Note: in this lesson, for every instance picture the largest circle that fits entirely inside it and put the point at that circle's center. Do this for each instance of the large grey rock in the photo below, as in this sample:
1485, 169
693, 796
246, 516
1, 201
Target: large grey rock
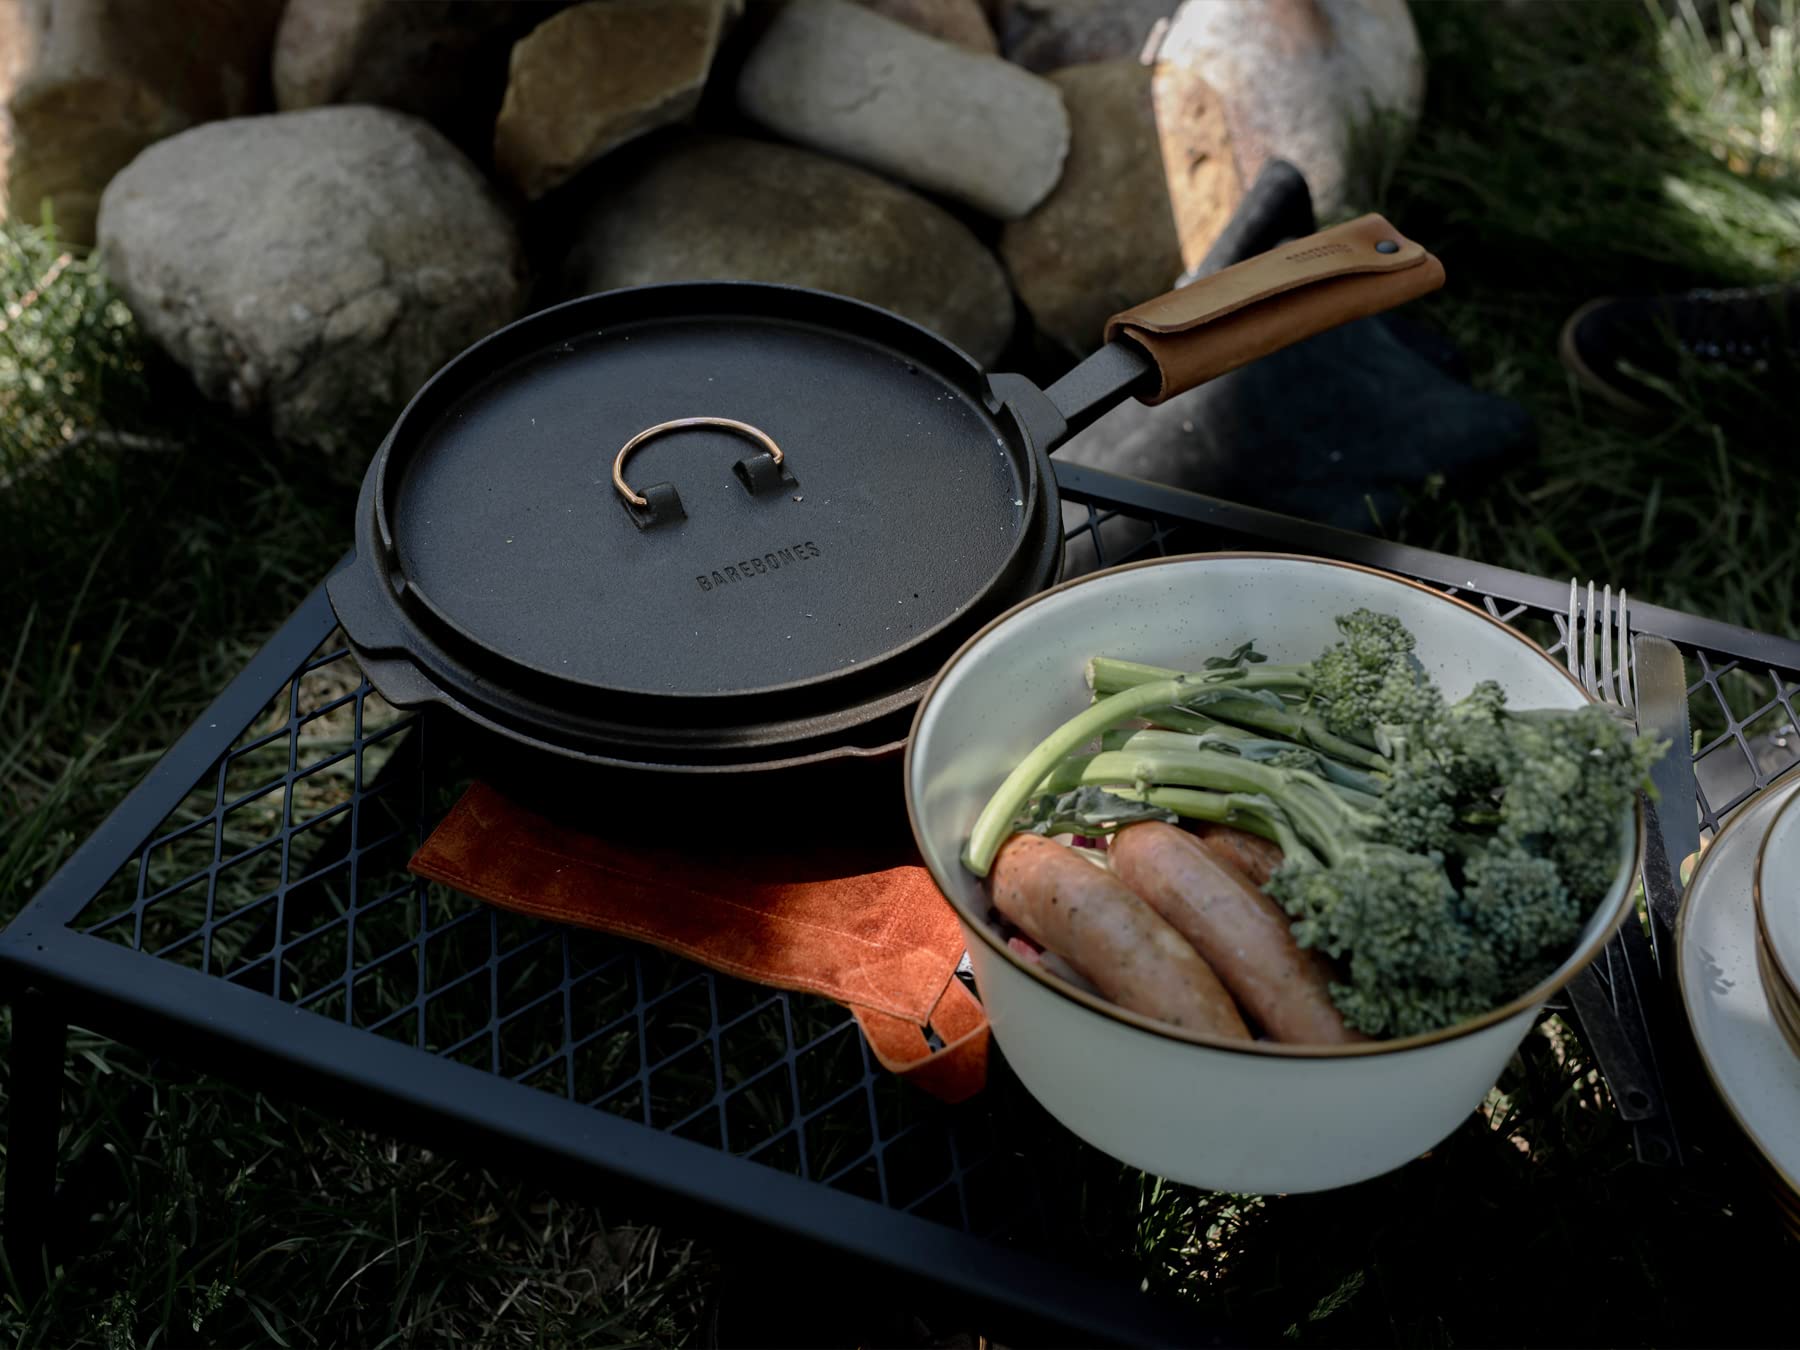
443, 60
721, 208
316, 267
1105, 238
105, 78
596, 76
1046, 35
958, 21
1299, 79
840, 78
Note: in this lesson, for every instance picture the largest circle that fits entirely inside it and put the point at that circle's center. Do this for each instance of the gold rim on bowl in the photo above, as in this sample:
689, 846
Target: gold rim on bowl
1536, 995
1787, 782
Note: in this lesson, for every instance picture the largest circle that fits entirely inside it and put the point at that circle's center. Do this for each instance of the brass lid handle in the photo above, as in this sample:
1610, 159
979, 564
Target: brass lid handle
743, 429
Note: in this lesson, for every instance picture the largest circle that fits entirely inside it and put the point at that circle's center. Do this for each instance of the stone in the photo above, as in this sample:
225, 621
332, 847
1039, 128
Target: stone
724, 208
105, 78
960, 21
834, 76
1045, 35
1104, 239
17, 41
1203, 178
596, 76
1300, 80
442, 60
314, 267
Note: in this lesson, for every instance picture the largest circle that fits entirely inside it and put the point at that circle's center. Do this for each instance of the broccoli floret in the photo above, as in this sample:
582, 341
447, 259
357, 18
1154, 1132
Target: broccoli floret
1571, 776
1447, 770
1520, 906
1471, 746
1408, 1010
1418, 810
1394, 919
1370, 681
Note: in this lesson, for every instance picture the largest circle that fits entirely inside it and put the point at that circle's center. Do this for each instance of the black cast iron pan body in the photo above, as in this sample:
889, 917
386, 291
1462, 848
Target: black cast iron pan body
499, 572
709, 605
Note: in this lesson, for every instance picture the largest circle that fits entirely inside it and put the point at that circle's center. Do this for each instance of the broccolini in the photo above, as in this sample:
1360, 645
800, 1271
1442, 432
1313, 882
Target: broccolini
1444, 855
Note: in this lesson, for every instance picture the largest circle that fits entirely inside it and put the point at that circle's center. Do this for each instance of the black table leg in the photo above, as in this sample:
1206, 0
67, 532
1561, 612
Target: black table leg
39, 1039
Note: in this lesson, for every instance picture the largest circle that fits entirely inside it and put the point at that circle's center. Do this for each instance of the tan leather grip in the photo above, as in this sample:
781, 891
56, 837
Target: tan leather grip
1276, 299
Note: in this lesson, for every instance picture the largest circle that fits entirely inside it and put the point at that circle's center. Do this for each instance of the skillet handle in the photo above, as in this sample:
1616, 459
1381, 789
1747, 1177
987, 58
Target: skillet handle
1274, 300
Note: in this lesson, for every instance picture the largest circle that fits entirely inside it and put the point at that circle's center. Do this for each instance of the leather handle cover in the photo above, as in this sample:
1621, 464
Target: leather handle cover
1276, 299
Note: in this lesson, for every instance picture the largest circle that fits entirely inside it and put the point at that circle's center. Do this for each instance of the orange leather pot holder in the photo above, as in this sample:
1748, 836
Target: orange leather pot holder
844, 923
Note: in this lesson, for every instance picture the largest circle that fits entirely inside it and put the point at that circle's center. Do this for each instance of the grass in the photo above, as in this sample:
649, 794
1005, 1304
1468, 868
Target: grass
147, 543
148, 546
1570, 151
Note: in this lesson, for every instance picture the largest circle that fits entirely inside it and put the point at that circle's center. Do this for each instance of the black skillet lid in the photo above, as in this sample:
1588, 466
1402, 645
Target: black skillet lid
743, 592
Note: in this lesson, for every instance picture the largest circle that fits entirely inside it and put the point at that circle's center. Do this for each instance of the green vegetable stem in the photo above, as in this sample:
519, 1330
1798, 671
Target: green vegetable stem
1445, 856
995, 822
1254, 701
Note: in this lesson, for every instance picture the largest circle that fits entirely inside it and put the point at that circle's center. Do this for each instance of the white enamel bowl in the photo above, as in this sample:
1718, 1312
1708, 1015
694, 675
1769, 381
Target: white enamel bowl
1259, 1118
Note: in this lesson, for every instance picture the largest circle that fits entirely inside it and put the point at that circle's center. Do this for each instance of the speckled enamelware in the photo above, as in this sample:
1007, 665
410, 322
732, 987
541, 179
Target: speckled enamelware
1777, 898
1756, 1072
1261, 1117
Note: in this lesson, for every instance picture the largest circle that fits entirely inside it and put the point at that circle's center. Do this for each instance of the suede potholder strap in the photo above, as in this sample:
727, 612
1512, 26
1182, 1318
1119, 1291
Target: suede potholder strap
874, 936
1295, 291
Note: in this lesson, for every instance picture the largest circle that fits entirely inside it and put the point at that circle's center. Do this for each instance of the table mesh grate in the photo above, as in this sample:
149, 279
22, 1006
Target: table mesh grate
283, 870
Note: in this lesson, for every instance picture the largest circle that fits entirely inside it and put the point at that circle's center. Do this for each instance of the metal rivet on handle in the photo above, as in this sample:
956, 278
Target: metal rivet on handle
1387, 246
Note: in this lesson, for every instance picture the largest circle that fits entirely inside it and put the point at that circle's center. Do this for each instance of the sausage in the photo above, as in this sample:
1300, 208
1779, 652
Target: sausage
1250, 855
1112, 938
1239, 930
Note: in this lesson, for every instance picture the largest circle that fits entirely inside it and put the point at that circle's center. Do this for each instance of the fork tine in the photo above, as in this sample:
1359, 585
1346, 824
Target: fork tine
1588, 677
1607, 690
1569, 658
1627, 695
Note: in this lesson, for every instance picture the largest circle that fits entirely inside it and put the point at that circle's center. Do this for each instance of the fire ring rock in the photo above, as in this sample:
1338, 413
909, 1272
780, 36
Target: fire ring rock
315, 267
720, 208
840, 78
1300, 80
1105, 239
101, 79
599, 75
959, 21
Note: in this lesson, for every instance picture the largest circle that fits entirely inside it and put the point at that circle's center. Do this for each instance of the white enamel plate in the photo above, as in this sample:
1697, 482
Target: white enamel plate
1755, 1072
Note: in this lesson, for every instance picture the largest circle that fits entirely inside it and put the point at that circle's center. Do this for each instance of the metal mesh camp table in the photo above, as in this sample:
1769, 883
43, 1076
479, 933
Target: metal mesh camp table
247, 911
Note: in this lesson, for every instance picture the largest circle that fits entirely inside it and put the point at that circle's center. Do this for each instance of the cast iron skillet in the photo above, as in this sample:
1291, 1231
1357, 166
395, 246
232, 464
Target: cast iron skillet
718, 527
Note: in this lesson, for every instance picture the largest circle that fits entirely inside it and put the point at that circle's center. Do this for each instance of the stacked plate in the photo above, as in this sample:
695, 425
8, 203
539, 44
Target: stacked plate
1738, 942
1777, 898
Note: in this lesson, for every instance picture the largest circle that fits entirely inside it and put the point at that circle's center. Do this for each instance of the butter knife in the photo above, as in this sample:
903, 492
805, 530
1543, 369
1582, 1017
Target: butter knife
1674, 823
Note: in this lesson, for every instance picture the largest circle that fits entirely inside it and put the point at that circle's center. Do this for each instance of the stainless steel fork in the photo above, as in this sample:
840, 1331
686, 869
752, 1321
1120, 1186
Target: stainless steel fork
1606, 677
1615, 1021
